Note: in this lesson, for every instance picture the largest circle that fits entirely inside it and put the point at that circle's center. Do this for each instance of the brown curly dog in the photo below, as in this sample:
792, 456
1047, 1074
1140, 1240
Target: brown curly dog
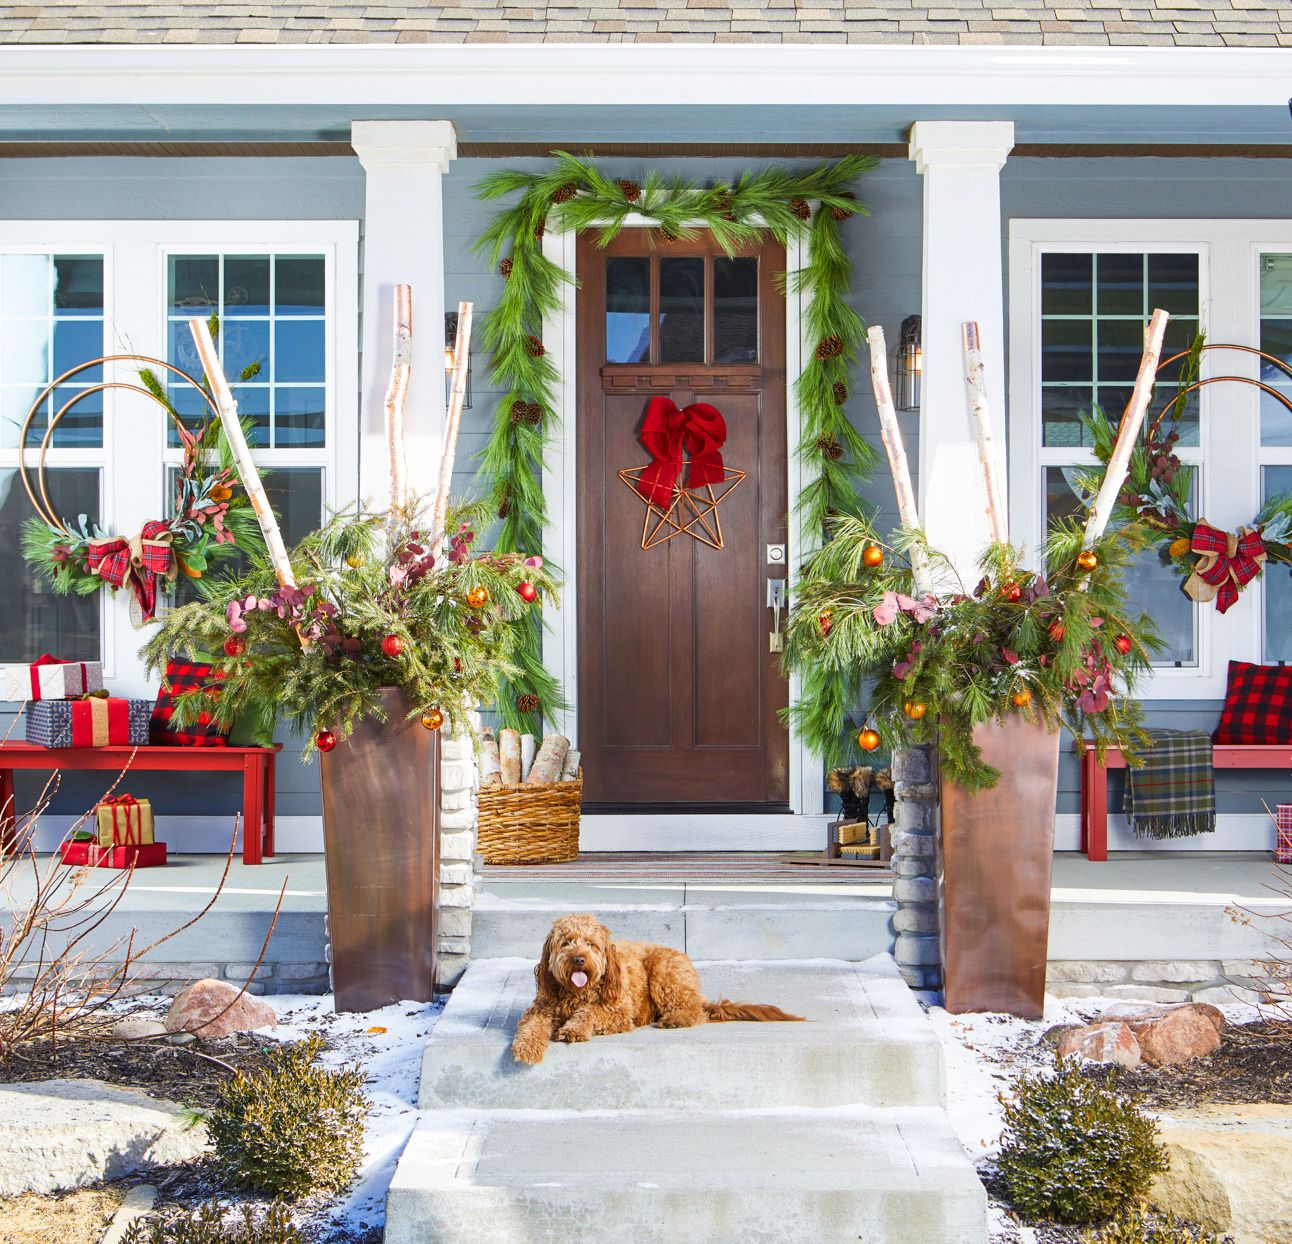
590, 985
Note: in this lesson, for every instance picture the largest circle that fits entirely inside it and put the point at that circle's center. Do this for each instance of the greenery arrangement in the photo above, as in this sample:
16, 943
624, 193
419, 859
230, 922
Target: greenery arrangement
1135, 1228
210, 1224
291, 1127
373, 609
1074, 1150
574, 194
1059, 646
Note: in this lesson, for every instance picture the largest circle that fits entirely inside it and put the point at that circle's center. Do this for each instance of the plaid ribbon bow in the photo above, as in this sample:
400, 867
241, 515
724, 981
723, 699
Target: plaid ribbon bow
136, 562
1226, 564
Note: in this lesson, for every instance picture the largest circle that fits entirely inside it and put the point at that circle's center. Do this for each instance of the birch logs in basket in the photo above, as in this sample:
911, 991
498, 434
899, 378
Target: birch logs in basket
515, 759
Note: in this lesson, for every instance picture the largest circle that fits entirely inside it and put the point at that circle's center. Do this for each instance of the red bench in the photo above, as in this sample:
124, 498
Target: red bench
256, 764
1094, 782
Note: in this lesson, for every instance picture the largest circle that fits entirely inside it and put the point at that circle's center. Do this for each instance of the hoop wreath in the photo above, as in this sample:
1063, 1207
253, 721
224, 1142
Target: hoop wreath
206, 523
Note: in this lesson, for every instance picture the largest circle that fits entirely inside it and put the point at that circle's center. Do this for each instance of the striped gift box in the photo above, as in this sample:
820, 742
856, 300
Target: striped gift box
59, 723
1283, 831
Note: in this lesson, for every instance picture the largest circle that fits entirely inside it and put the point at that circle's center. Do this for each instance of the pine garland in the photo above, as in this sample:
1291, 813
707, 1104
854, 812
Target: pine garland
573, 194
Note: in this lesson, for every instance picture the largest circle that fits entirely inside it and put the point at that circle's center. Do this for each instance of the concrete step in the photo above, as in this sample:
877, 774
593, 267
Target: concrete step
866, 1041
823, 1176
708, 922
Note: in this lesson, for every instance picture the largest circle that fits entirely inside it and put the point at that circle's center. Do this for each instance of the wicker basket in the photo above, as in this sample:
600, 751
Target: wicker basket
530, 824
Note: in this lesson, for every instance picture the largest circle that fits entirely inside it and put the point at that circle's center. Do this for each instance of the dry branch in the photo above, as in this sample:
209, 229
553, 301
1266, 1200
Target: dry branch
457, 397
401, 365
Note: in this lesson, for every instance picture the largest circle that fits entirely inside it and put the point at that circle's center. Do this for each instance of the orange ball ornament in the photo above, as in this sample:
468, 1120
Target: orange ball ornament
914, 709
825, 619
872, 556
478, 597
1087, 559
1057, 632
868, 740
432, 719
1021, 698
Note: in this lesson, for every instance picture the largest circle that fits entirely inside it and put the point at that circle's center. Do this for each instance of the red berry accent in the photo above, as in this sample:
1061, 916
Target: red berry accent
392, 645
527, 592
1057, 632
234, 647
325, 740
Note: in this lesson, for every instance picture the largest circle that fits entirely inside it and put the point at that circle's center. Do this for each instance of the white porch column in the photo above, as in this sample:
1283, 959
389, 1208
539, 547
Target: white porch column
963, 280
403, 243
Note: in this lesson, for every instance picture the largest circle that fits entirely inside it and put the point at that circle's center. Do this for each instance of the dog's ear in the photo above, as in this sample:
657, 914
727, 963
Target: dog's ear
612, 979
544, 978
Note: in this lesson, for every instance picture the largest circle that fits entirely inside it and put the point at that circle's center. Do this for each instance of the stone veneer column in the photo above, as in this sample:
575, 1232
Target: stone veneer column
916, 865
459, 864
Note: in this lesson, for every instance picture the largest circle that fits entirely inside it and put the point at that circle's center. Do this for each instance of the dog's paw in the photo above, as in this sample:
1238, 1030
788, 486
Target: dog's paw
571, 1033
529, 1052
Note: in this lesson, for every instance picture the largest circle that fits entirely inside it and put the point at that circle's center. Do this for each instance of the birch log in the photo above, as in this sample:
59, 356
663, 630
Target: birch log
490, 762
401, 365
457, 397
570, 765
1128, 430
548, 762
528, 748
980, 412
222, 395
509, 757
896, 450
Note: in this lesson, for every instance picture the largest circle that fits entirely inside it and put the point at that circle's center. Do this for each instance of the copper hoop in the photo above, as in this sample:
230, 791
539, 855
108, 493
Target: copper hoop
46, 511
1198, 384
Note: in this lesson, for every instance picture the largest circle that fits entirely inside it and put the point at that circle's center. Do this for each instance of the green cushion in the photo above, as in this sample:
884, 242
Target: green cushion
254, 728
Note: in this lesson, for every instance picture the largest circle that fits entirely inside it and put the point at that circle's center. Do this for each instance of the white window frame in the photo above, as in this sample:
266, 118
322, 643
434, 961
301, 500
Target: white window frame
1229, 482
134, 458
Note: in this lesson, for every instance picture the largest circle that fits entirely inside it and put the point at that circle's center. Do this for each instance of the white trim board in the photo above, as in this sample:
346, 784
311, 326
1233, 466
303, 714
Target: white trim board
1235, 831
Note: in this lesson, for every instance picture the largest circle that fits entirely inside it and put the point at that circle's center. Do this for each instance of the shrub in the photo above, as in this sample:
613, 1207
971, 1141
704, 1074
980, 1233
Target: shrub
290, 1128
1136, 1229
1075, 1150
208, 1225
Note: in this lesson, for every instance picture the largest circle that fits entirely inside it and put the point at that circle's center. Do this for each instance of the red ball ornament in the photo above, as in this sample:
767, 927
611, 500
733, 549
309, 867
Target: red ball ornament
527, 592
234, 647
325, 740
1123, 644
392, 645
826, 621
1011, 592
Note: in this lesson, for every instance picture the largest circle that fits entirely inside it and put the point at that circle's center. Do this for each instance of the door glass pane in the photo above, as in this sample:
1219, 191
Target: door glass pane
1153, 588
51, 320
1276, 339
735, 310
1277, 580
681, 310
35, 619
628, 310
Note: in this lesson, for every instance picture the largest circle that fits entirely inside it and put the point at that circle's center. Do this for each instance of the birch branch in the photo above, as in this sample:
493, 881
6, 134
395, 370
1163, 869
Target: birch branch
397, 395
980, 412
247, 472
457, 397
896, 450
1128, 430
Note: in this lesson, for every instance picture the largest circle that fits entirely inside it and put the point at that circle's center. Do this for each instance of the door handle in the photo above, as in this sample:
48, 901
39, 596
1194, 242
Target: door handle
776, 600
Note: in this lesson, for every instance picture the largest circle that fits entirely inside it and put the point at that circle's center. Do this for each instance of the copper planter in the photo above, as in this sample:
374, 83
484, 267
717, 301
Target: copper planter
381, 830
997, 852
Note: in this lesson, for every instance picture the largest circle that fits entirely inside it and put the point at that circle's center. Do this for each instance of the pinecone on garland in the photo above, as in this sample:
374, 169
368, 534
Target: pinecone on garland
667, 235
518, 410
829, 447
527, 703
533, 414
504, 507
630, 189
504, 268
801, 209
563, 194
539, 230
725, 208
840, 392
535, 347
829, 347
842, 213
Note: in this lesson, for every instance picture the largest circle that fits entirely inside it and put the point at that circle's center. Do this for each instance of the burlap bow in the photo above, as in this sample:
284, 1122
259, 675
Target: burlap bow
1227, 562
136, 562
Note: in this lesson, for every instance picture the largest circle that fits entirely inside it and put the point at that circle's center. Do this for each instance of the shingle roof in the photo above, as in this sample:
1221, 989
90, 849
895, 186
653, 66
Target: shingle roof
1099, 23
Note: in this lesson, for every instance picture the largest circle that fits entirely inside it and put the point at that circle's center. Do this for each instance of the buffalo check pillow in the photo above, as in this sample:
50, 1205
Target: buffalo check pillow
1258, 705
186, 678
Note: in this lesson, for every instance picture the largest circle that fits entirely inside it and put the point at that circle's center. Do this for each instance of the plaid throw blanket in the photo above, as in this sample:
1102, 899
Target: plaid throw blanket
1173, 794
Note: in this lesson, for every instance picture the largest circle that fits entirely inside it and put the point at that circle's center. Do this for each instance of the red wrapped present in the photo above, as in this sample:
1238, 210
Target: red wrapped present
92, 721
88, 854
1283, 833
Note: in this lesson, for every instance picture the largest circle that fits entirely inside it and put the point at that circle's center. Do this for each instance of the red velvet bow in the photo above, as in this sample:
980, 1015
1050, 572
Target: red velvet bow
666, 431
136, 562
1227, 563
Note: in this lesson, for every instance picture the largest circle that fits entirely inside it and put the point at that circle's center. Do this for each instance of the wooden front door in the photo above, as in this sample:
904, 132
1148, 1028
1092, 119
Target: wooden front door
679, 690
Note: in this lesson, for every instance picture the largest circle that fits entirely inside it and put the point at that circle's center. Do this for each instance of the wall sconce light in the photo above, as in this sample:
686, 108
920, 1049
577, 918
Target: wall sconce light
910, 364
450, 343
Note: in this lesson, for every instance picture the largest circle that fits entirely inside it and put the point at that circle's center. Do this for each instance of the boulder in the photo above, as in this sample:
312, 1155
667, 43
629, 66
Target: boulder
211, 1008
1142, 1013
1170, 1034
1100, 1043
59, 1134
136, 1028
1228, 1171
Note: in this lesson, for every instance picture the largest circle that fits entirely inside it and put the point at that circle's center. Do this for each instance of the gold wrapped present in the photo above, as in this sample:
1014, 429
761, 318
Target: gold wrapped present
123, 821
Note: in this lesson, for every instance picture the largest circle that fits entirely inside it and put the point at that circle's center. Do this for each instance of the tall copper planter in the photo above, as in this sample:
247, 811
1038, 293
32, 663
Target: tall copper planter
381, 831
997, 852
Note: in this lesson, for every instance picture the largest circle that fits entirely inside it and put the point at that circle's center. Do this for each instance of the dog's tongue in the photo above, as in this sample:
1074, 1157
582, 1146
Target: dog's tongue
578, 979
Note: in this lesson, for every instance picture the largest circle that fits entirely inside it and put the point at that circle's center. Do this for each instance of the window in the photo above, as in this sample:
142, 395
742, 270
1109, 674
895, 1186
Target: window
1275, 316
286, 298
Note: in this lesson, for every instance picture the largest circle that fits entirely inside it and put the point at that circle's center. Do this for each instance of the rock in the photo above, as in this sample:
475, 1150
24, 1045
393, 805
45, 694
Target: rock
1052, 1036
60, 1134
1140, 1013
1177, 1037
197, 1009
136, 1028
1229, 1171
1100, 1043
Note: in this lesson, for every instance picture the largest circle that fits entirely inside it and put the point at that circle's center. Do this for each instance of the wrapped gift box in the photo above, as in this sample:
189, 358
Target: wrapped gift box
124, 820
89, 854
95, 721
1283, 833
47, 678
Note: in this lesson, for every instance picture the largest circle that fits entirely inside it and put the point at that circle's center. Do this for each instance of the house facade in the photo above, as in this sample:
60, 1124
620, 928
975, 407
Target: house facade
1052, 173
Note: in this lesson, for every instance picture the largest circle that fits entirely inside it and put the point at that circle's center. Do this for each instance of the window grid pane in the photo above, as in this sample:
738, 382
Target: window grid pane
1276, 340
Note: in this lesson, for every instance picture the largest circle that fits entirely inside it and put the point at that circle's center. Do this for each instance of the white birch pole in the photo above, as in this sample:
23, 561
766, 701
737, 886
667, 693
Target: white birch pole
247, 472
397, 394
896, 450
457, 397
980, 412
1128, 430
